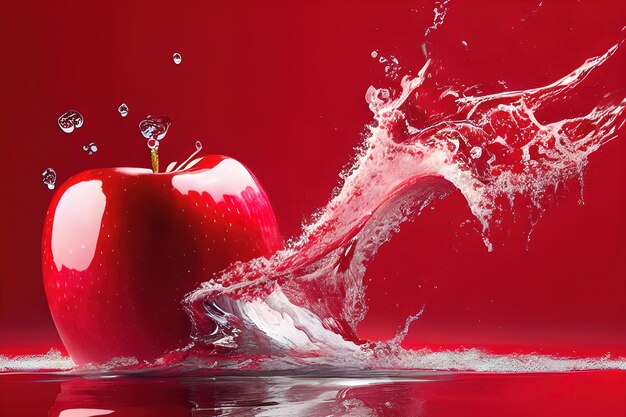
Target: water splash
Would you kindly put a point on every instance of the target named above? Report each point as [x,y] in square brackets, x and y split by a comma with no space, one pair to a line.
[391,64]
[70,120]
[49,178]
[440,12]
[177,58]
[123,110]
[186,164]
[154,128]
[90,148]
[306,301]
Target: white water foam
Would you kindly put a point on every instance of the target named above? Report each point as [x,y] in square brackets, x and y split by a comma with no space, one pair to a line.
[53,360]
[381,358]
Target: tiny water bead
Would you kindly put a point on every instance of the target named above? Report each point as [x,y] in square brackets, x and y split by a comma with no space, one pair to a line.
[177,58]
[476,152]
[70,120]
[49,178]
[123,109]
[91,148]
[155,127]
[153,143]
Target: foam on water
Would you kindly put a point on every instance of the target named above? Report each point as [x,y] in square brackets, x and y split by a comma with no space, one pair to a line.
[381,357]
[53,360]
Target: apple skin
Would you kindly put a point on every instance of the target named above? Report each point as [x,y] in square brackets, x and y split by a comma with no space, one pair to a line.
[122,246]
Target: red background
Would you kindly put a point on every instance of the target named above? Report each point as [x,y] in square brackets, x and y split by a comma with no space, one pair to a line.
[280,86]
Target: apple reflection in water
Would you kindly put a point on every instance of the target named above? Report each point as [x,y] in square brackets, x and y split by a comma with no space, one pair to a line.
[237,396]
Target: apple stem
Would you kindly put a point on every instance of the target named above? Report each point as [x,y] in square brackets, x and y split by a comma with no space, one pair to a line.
[154,158]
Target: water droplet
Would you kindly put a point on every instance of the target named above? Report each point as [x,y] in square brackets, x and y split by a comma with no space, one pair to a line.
[374,54]
[155,127]
[70,120]
[123,109]
[49,178]
[153,143]
[198,145]
[177,58]
[91,148]
[464,43]
[476,152]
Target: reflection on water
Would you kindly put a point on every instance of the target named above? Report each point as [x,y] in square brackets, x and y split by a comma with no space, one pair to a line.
[363,394]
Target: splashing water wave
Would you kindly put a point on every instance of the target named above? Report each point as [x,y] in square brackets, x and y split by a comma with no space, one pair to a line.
[425,142]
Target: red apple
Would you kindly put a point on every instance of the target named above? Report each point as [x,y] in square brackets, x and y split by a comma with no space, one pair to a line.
[122,246]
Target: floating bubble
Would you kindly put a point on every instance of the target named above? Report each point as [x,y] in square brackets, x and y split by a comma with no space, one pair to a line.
[155,127]
[49,177]
[91,148]
[123,109]
[177,58]
[70,120]
[476,152]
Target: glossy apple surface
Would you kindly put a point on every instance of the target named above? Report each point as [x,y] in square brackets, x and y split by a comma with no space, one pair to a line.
[122,246]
